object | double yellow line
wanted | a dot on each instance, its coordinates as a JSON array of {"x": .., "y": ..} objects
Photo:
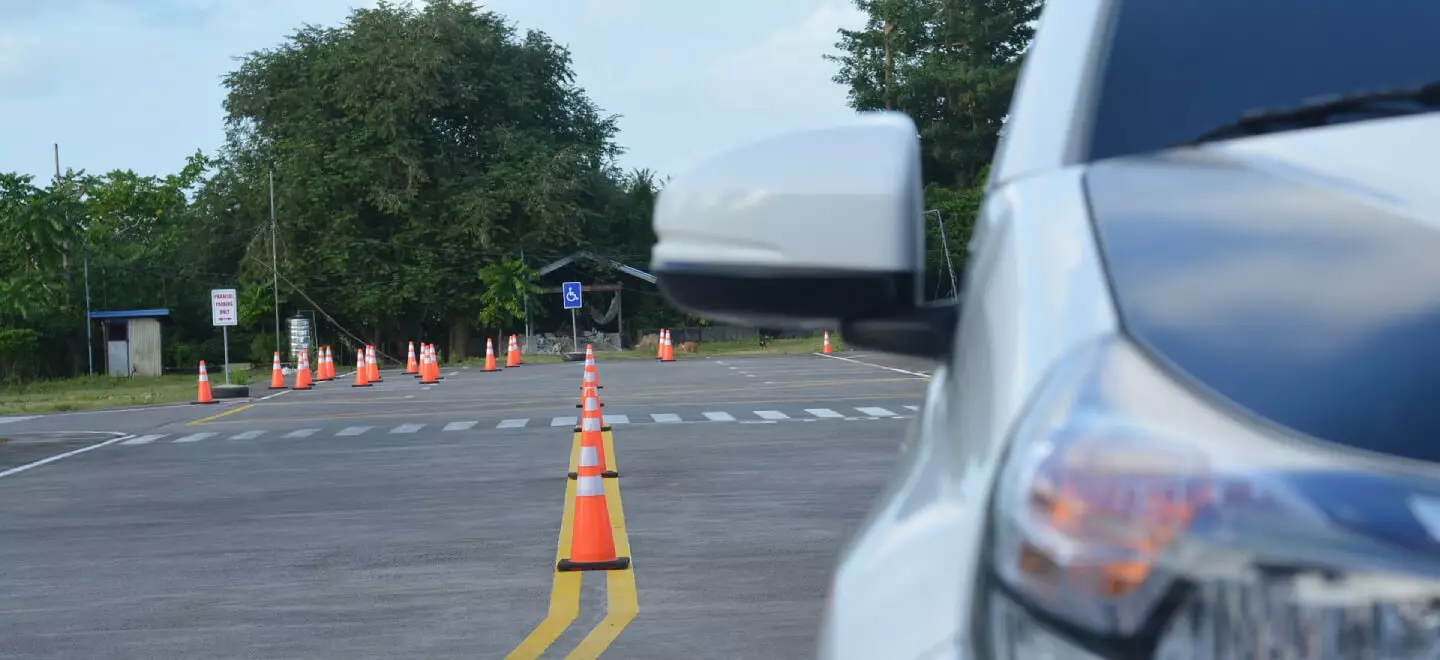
[{"x": 622, "y": 602}]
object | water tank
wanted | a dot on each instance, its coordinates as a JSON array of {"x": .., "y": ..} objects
[{"x": 302, "y": 336}]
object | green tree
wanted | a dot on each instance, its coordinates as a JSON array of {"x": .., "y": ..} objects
[{"x": 505, "y": 285}]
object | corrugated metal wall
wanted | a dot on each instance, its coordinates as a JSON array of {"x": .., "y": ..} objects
[{"x": 145, "y": 355}]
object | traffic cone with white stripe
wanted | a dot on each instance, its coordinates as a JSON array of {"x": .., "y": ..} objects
[
  {"x": 277, "y": 377},
  {"x": 203, "y": 394},
  {"x": 302, "y": 371},
  {"x": 660, "y": 345},
  {"x": 592, "y": 375},
  {"x": 591, "y": 430},
  {"x": 427, "y": 366},
  {"x": 490, "y": 356},
  {"x": 329, "y": 364},
  {"x": 373, "y": 365},
  {"x": 360, "y": 376},
  {"x": 435, "y": 362},
  {"x": 411, "y": 365},
  {"x": 669, "y": 349},
  {"x": 512, "y": 354},
  {"x": 519, "y": 355},
  {"x": 827, "y": 342},
  {"x": 592, "y": 539}
]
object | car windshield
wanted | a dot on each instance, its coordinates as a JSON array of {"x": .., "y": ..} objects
[{"x": 1178, "y": 68}]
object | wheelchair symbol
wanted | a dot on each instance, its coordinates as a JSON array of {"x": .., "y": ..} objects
[{"x": 572, "y": 296}]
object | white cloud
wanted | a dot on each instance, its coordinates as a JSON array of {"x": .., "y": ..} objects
[{"x": 786, "y": 71}]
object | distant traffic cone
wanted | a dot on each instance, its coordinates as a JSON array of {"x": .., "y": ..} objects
[
  {"x": 490, "y": 356},
  {"x": 411, "y": 366},
  {"x": 660, "y": 345},
  {"x": 435, "y": 362},
  {"x": 302, "y": 371},
  {"x": 592, "y": 539},
  {"x": 427, "y": 366},
  {"x": 321, "y": 375},
  {"x": 827, "y": 342},
  {"x": 592, "y": 375},
  {"x": 203, "y": 394},
  {"x": 591, "y": 431},
  {"x": 329, "y": 364},
  {"x": 512, "y": 354},
  {"x": 277, "y": 377},
  {"x": 669, "y": 349},
  {"x": 373, "y": 365},
  {"x": 519, "y": 354},
  {"x": 361, "y": 377}
]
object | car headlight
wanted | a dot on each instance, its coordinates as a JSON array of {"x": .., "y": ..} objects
[{"x": 1135, "y": 519}]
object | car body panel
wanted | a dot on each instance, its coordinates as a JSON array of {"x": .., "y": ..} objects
[
  {"x": 1306, "y": 295},
  {"x": 901, "y": 589}
]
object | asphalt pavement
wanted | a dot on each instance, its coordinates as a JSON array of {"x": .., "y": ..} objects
[{"x": 406, "y": 520}]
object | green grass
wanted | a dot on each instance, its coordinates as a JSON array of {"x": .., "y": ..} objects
[
  {"x": 712, "y": 348},
  {"x": 94, "y": 393}
]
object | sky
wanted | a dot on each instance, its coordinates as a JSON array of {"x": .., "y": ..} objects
[{"x": 135, "y": 84}]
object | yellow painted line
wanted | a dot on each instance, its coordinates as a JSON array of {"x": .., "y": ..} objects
[
  {"x": 564, "y": 587},
  {"x": 231, "y": 411},
  {"x": 622, "y": 601}
]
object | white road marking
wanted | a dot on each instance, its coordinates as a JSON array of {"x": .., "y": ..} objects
[
  {"x": 824, "y": 412},
  {"x": 195, "y": 437},
  {"x": 759, "y": 421},
  {"x": 734, "y": 367},
  {"x": 302, "y": 433},
  {"x": 877, "y": 366},
  {"x": 453, "y": 373},
  {"x": 915, "y": 408},
  {"x": 406, "y": 428},
  {"x": 876, "y": 412},
  {"x": 719, "y": 416},
  {"x": 21, "y": 468},
  {"x": 142, "y": 440},
  {"x": 564, "y": 421},
  {"x": 665, "y": 418},
  {"x": 771, "y": 414},
  {"x": 271, "y": 396},
  {"x": 512, "y": 423},
  {"x": 617, "y": 419},
  {"x": 247, "y": 435},
  {"x": 353, "y": 430},
  {"x": 459, "y": 426},
  {"x": 11, "y": 420},
  {"x": 749, "y": 375}
]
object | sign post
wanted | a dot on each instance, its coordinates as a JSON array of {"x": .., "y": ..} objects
[
  {"x": 570, "y": 292},
  {"x": 224, "y": 313}
]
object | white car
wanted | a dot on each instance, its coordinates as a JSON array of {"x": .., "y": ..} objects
[{"x": 1190, "y": 404}]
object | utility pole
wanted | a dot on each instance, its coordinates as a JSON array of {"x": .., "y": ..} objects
[
  {"x": 85, "y": 251},
  {"x": 274, "y": 258},
  {"x": 945, "y": 247}
]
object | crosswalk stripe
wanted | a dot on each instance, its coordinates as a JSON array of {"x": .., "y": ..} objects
[
  {"x": 665, "y": 417},
  {"x": 407, "y": 428},
  {"x": 564, "y": 421},
  {"x": 876, "y": 412},
  {"x": 302, "y": 433},
  {"x": 719, "y": 416},
  {"x": 459, "y": 426},
  {"x": 915, "y": 408},
  {"x": 142, "y": 440},
  {"x": 771, "y": 414},
  {"x": 353, "y": 430},
  {"x": 512, "y": 423},
  {"x": 618, "y": 419},
  {"x": 195, "y": 437},
  {"x": 824, "y": 413},
  {"x": 247, "y": 435}
]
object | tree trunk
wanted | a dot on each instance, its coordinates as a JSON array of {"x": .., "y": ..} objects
[{"x": 459, "y": 339}]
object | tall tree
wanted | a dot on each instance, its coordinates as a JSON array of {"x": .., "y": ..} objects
[
  {"x": 411, "y": 146},
  {"x": 949, "y": 64}
]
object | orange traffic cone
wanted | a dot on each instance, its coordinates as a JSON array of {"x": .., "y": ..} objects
[
  {"x": 660, "y": 345},
  {"x": 203, "y": 395},
  {"x": 435, "y": 362},
  {"x": 592, "y": 539},
  {"x": 592, "y": 428},
  {"x": 373, "y": 375},
  {"x": 302, "y": 371},
  {"x": 427, "y": 366},
  {"x": 512, "y": 354},
  {"x": 490, "y": 356},
  {"x": 827, "y": 342},
  {"x": 411, "y": 366},
  {"x": 361, "y": 379},
  {"x": 519, "y": 356},
  {"x": 669, "y": 348},
  {"x": 320, "y": 374},
  {"x": 592, "y": 375},
  {"x": 277, "y": 377},
  {"x": 329, "y": 365}
]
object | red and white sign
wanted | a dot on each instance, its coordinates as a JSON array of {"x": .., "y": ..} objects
[{"x": 223, "y": 309}]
